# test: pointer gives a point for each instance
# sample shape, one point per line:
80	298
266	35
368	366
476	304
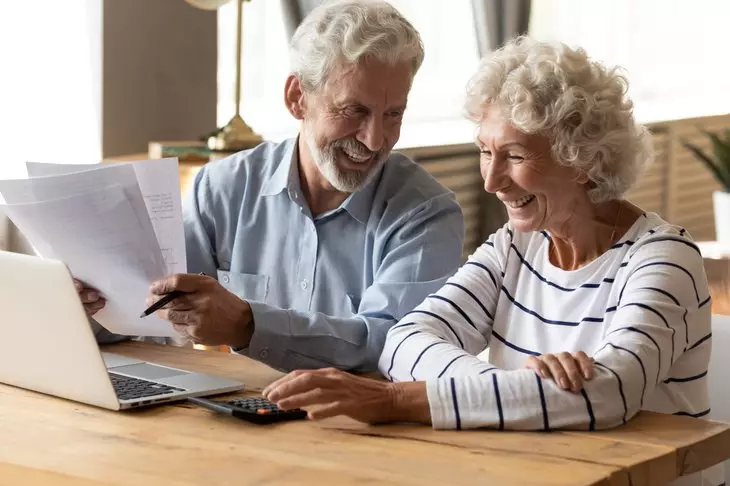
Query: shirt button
264	353
305	284
226	279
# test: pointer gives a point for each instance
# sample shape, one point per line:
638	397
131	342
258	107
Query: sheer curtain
675	52
434	113
50	101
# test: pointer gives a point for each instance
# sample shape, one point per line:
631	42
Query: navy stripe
658	349
620	387
492	368
420	355
469	292
697	343
456	404
546	235
552	284
592	423
704	302
670	264
453	304
491	275
678	240
545	421
661	291
514	346
649	308
499	402
695	415
403	324
684	380
436	316
643	370
449	364
545	320
622	244
392	357
489	243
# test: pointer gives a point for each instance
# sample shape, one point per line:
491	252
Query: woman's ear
294	97
581	177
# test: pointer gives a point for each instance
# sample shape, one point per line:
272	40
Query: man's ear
294	97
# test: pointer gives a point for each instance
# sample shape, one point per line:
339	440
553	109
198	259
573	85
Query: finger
178	317
326	411
315	396
535	364
299	384
586	364
570	365
556	370
184	282
79	286
271	386
182	303
89	296
181	329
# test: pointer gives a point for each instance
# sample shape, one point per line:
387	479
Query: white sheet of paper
99	236
159	182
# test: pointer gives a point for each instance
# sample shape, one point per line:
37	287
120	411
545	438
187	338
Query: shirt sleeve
199	228
664	294
422	251
442	336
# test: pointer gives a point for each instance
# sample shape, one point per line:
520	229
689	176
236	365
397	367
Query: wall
159	72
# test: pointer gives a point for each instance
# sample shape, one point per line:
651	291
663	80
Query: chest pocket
247	286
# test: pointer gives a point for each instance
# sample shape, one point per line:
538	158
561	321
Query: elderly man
314	247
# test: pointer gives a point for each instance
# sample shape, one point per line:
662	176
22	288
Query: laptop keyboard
128	388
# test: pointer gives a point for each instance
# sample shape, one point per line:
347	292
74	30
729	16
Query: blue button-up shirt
324	290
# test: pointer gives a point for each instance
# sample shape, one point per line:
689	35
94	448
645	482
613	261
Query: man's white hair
579	104
343	32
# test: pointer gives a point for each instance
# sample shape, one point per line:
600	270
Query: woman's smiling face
520	170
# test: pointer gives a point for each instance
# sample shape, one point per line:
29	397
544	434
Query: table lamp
236	134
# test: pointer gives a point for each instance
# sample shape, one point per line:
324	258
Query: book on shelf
186	151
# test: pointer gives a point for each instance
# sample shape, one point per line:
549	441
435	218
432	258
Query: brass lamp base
235	136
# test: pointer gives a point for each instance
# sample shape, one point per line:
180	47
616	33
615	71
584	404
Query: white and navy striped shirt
641	310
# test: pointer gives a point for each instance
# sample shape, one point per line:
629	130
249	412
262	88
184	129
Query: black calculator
255	410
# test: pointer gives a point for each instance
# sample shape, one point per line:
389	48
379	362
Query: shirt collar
282	177
286	176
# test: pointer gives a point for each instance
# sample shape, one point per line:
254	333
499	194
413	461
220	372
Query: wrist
409	402
244	328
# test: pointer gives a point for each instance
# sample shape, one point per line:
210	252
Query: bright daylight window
434	112
675	52
50	101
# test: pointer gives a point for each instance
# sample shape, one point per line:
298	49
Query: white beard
343	180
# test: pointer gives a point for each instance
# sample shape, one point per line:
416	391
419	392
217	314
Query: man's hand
568	370
93	302
329	392
207	313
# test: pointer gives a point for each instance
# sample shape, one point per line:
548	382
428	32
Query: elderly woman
576	269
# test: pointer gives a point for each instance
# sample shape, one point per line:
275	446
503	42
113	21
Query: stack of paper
118	227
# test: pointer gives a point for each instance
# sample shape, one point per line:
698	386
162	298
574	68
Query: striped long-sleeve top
641	310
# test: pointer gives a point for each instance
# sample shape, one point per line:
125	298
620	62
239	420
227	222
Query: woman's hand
329	392
569	371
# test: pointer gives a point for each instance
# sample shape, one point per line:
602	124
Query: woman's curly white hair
579	104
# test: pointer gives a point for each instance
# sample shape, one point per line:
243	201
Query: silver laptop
48	346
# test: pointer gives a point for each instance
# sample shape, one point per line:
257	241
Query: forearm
287	339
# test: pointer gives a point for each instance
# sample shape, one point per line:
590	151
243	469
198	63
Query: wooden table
52	441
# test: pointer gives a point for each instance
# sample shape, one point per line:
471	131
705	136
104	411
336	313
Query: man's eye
486	153
516	158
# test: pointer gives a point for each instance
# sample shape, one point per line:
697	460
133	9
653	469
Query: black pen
163	301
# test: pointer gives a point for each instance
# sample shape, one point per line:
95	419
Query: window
674	51
434	114
51	96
